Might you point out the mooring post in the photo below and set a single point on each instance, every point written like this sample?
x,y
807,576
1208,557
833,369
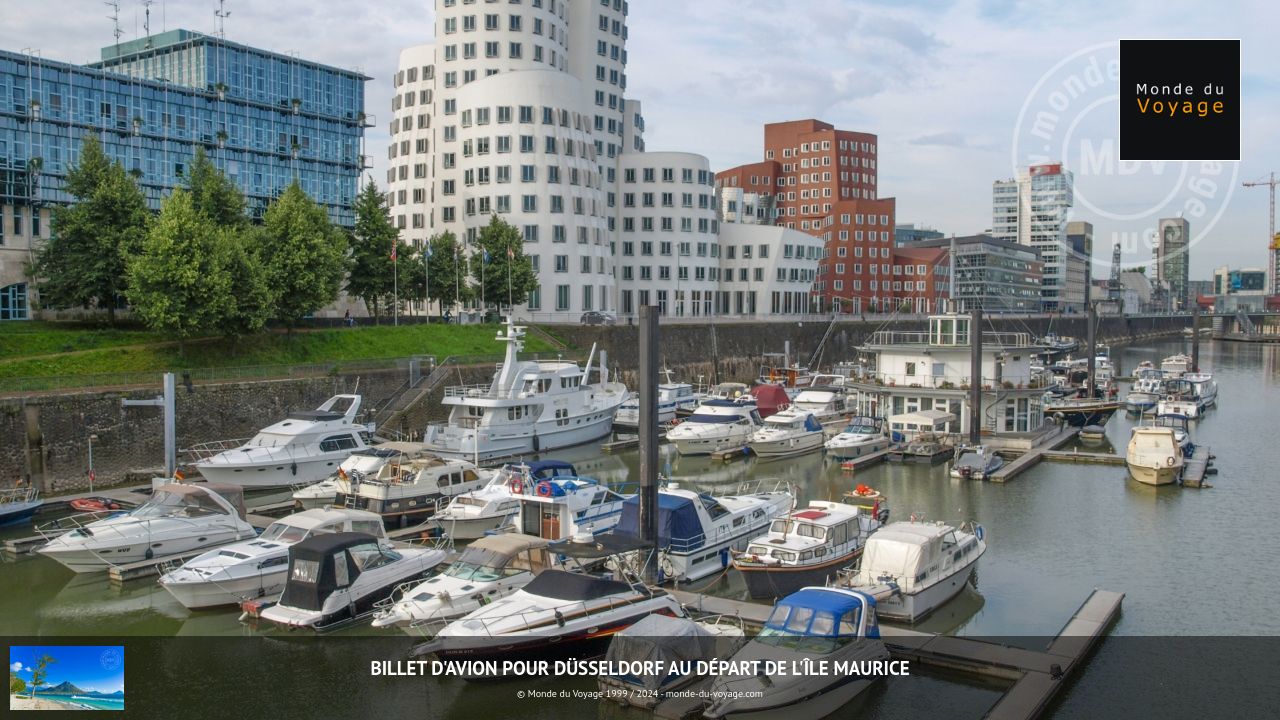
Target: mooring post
x,y
648,377
1195,337
1092,319
975,370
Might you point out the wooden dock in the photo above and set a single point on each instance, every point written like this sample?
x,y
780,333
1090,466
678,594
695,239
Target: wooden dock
x,y
1032,457
857,463
731,454
1083,457
1197,467
1036,676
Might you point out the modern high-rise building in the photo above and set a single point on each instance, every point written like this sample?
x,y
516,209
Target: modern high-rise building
x,y
264,118
518,110
1173,260
992,274
1080,242
1032,209
905,234
822,181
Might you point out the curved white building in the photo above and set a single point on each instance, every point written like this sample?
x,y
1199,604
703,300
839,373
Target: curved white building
x,y
517,110
668,252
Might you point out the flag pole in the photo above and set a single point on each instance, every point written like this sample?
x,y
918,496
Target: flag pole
x,y
511,256
395,271
426,278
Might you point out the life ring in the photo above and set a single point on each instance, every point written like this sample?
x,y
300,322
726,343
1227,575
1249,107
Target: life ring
x,y
1171,460
516,485
543,489
863,490
1170,398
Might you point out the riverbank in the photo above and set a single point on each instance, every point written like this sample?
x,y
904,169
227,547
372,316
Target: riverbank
x,y
24,702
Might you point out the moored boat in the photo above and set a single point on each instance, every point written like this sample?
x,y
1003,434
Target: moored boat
x,y
790,432
815,624
806,547
18,504
975,462
862,436
1153,456
912,568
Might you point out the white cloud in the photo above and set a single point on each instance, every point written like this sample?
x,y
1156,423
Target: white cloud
x,y
940,81
16,667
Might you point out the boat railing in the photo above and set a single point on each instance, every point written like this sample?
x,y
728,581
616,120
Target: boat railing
x,y
205,450
10,496
478,390
81,521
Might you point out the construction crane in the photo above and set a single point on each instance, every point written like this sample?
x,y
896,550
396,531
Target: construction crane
x,y
1273,247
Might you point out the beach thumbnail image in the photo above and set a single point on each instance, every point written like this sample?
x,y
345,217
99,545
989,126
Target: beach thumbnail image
x,y
66,677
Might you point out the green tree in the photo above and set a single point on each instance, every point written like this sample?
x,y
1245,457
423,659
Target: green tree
x,y
179,283
304,255
84,262
40,673
447,269
213,194
371,275
504,246
16,684
252,302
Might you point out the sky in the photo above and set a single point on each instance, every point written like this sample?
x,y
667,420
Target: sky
x,y
942,82
92,668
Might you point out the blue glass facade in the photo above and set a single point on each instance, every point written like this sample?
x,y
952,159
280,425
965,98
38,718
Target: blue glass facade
x,y
264,118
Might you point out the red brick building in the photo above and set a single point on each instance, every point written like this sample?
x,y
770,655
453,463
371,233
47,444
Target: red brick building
x,y
823,181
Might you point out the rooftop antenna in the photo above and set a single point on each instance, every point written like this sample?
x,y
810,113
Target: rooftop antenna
x,y
223,13
146,20
114,17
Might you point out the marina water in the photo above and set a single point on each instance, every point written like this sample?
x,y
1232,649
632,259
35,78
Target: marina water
x,y
1055,533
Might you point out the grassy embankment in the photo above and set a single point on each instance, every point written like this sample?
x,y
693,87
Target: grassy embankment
x,y
36,349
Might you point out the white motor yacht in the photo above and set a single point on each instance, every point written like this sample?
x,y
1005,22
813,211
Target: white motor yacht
x,y
814,624
975,462
862,436
829,403
806,547
1145,392
258,567
789,432
336,578
912,568
1203,387
1153,456
305,447
697,533
179,518
558,612
531,406
715,426
473,514
673,398
488,569
409,492
555,503
1175,365
362,463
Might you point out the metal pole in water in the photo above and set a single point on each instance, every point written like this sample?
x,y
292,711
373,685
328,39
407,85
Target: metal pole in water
x,y
975,370
1092,319
1195,337
648,377
170,427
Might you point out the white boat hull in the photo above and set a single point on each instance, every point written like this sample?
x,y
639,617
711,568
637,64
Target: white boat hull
x,y
213,593
911,607
277,473
83,558
706,444
470,528
854,450
459,443
1155,475
793,445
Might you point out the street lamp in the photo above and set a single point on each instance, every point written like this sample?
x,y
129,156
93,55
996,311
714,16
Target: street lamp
x,y
92,437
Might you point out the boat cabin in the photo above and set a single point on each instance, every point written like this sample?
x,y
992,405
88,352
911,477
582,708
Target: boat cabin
x,y
909,426
825,618
914,555
324,564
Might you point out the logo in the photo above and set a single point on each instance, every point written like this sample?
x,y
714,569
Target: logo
x,y
1070,123
1180,99
111,658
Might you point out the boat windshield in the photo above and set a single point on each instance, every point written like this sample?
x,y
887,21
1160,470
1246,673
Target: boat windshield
x,y
861,429
168,504
481,565
283,532
808,630
709,419
802,529
266,439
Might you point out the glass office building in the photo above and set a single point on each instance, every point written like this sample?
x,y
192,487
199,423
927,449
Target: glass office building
x,y
264,118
